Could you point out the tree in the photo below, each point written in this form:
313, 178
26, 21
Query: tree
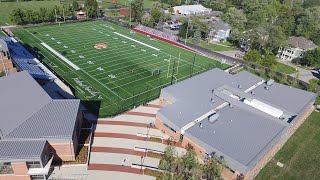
269, 61
157, 11
31, 16
309, 23
314, 85
218, 5
18, 16
236, 18
189, 164
145, 19
171, 10
137, 9
183, 31
212, 168
75, 5
91, 8
276, 38
252, 56
312, 57
196, 37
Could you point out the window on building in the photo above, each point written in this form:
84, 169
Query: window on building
181, 137
34, 177
170, 128
6, 168
33, 164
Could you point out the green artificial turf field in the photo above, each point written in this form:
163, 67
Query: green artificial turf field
119, 76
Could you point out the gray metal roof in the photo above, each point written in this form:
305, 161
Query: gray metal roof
21, 150
242, 134
29, 113
238, 134
56, 120
20, 98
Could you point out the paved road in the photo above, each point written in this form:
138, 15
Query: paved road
304, 75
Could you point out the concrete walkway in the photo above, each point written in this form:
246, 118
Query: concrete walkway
81, 173
131, 144
118, 159
146, 109
129, 130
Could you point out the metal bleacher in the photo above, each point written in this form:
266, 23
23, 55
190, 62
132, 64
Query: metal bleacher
156, 32
25, 61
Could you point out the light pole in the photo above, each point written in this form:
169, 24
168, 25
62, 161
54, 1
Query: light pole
130, 13
185, 41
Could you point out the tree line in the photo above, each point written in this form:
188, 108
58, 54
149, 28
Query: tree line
21, 17
188, 165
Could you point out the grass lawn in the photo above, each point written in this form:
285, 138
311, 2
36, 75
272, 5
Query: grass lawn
2, 33
120, 76
212, 47
284, 68
8, 7
318, 100
300, 155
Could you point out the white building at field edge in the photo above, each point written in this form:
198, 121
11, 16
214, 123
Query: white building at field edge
191, 9
296, 49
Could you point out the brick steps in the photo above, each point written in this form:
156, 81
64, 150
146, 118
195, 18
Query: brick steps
125, 123
140, 114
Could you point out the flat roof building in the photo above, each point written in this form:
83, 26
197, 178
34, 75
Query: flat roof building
34, 128
237, 117
191, 9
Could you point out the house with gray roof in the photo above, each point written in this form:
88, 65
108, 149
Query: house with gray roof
34, 128
237, 118
219, 30
295, 48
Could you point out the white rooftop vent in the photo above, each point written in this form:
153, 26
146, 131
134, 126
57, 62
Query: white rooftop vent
201, 125
212, 100
213, 118
270, 82
266, 88
252, 92
230, 105
239, 86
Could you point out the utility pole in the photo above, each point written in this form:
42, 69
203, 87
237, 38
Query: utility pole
185, 41
64, 17
55, 12
130, 13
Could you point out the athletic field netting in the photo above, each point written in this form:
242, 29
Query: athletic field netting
129, 70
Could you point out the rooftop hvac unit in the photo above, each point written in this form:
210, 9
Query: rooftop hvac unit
155, 72
213, 118
270, 82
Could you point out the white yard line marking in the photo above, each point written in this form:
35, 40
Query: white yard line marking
60, 56
136, 41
